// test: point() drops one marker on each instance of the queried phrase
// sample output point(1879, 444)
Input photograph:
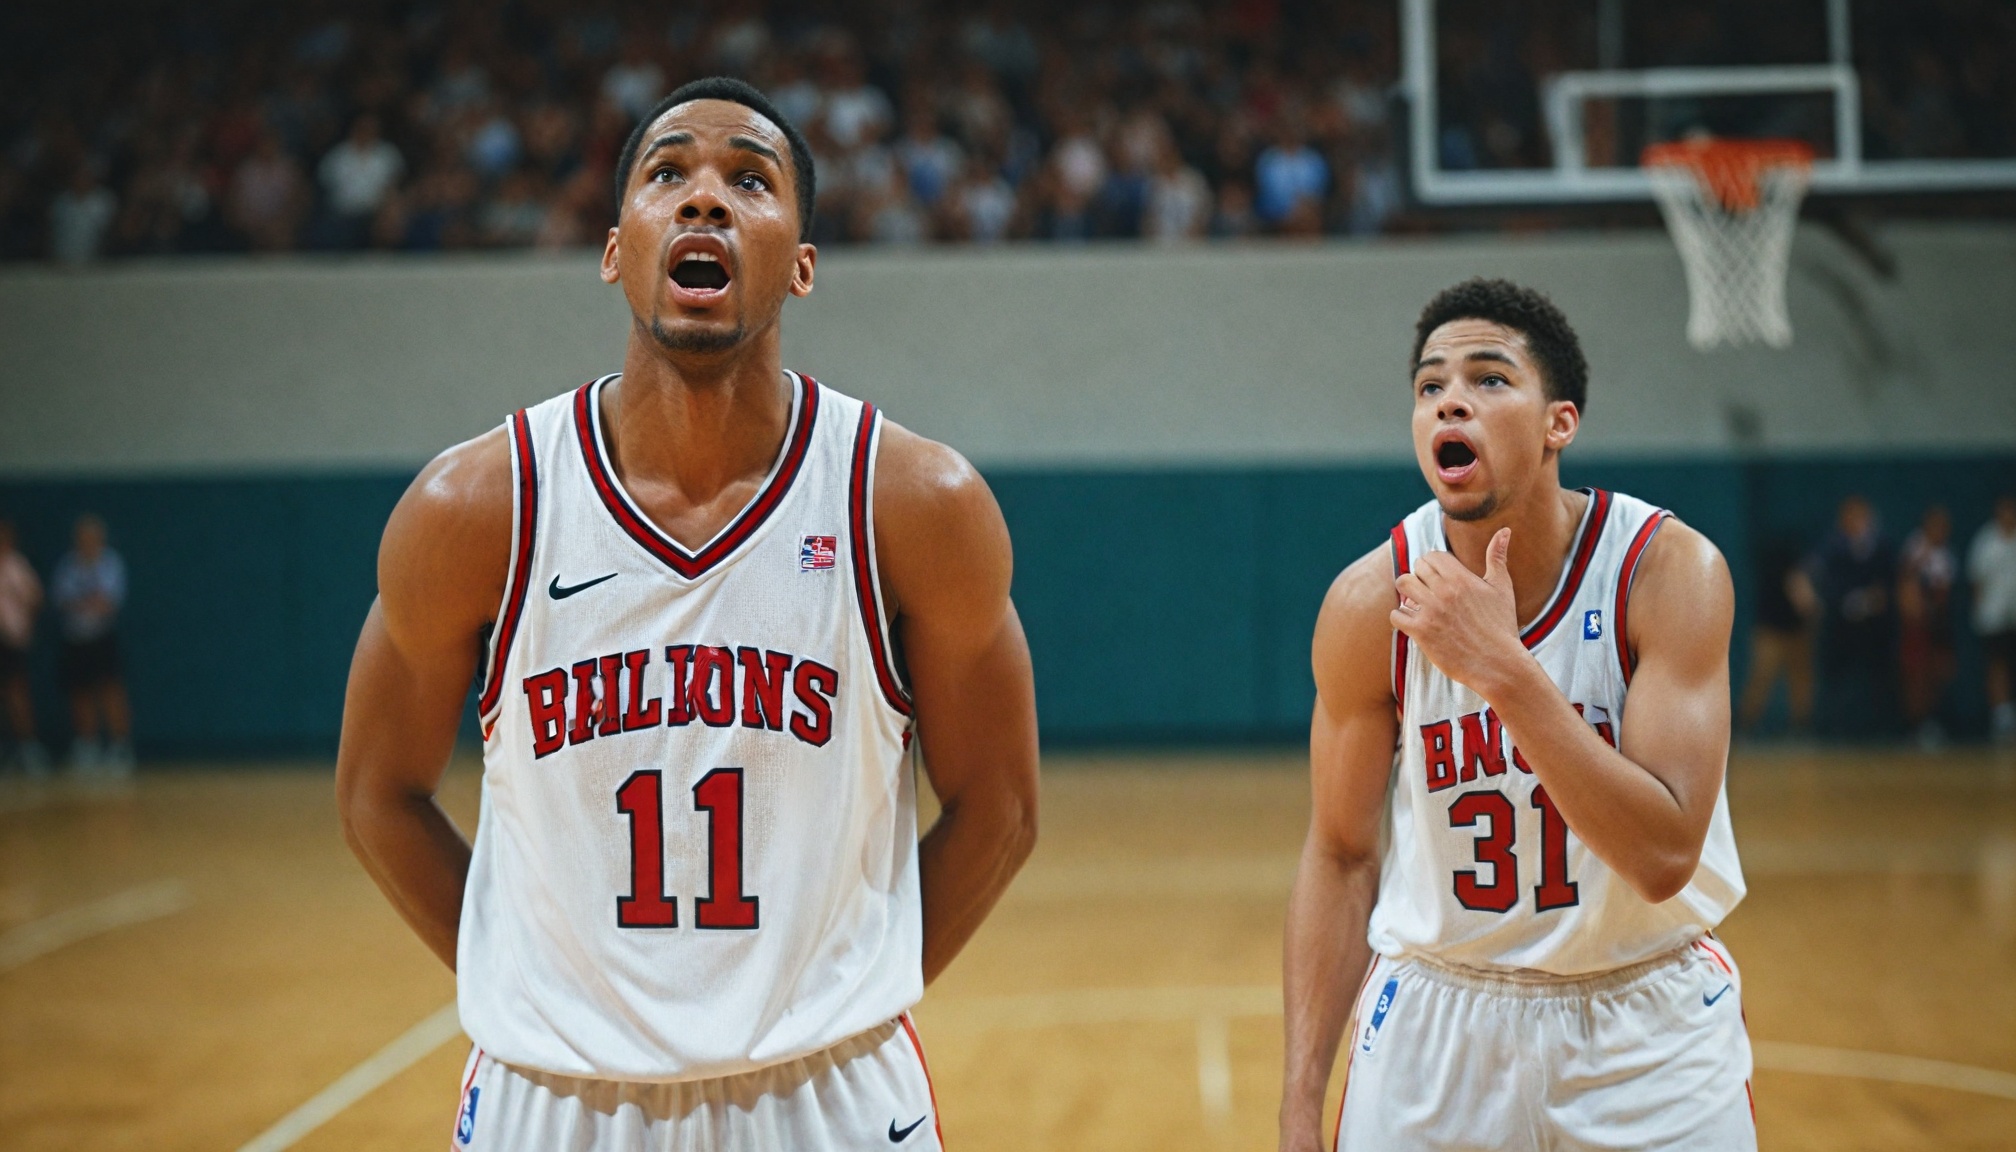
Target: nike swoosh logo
point(558, 593)
point(898, 1135)
point(1709, 1001)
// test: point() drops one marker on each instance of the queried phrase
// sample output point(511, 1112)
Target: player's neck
point(701, 425)
point(1543, 520)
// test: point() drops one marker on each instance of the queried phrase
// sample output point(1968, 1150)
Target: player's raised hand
point(1466, 625)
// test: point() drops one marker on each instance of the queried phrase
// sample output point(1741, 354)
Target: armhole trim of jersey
point(525, 506)
point(1626, 660)
point(1400, 568)
point(861, 551)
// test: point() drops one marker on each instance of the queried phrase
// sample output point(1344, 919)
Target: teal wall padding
point(1164, 607)
point(246, 596)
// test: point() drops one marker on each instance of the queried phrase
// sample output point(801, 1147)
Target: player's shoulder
point(1680, 587)
point(1678, 551)
point(1364, 589)
point(471, 480)
point(1351, 650)
point(449, 537)
point(917, 476)
point(939, 534)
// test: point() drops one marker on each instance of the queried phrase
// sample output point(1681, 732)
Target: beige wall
point(1117, 356)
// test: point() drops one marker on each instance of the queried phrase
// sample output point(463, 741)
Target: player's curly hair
point(1530, 313)
point(735, 92)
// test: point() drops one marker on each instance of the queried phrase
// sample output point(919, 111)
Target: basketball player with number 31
point(1523, 695)
point(712, 604)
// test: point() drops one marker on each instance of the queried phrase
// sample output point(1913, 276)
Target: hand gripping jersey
point(1480, 869)
point(698, 848)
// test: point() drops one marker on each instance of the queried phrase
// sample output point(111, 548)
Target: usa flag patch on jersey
point(818, 553)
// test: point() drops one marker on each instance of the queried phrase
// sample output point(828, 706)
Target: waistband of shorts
point(840, 1052)
point(1528, 983)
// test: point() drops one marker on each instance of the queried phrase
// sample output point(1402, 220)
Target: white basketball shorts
point(868, 1092)
point(1651, 1058)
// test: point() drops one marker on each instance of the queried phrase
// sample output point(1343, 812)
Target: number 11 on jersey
point(718, 795)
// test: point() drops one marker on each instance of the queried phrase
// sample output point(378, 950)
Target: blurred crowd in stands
point(1863, 631)
point(142, 127)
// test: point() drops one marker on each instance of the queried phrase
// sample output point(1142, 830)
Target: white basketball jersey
point(698, 848)
point(1480, 868)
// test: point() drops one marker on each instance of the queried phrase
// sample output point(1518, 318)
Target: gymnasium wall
point(1187, 444)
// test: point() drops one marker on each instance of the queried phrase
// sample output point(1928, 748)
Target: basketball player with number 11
point(712, 603)
point(1524, 695)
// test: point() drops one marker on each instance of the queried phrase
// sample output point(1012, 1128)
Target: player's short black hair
point(735, 92)
point(1530, 313)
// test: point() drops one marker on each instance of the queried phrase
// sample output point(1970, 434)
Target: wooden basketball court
point(188, 961)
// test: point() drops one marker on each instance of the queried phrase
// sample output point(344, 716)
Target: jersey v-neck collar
point(1587, 535)
point(628, 516)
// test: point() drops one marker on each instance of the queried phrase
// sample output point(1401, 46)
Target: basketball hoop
point(1732, 206)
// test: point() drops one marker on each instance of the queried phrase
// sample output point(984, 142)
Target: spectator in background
point(1179, 201)
point(1781, 638)
point(357, 176)
point(1991, 566)
point(857, 112)
point(268, 196)
point(20, 600)
point(80, 217)
point(635, 82)
point(1233, 217)
point(1289, 180)
point(1854, 575)
point(90, 589)
point(1925, 572)
point(982, 205)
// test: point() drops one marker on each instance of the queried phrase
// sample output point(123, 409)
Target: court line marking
point(412, 1046)
point(1775, 1056)
point(1228, 1002)
point(1214, 1068)
point(1210, 1007)
point(38, 938)
point(18, 796)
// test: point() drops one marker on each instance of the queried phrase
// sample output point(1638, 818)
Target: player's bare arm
point(1351, 737)
point(1643, 807)
point(946, 566)
point(441, 572)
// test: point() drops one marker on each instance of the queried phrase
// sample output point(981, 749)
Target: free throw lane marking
point(409, 1049)
point(1209, 1007)
point(1776, 1057)
point(134, 906)
point(1206, 1004)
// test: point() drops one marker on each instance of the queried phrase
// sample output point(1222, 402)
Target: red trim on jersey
point(1719, 959)
point(462, 1101)
point(1400, 568)
point(692, 565)
point(1585, 547)
point(1351, 1038)
point(1625, 574)
point(521, 562)
point(858, 530)
point(910, 1030)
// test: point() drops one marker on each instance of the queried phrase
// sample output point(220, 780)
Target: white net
point(1736, 255)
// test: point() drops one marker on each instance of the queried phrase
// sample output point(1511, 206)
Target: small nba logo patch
point(818, 553)
point(465, 1128)
point(1379, 1010)
point(1592, 624)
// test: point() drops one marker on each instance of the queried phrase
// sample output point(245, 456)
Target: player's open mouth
point(700, 270)
point(1455, 460)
